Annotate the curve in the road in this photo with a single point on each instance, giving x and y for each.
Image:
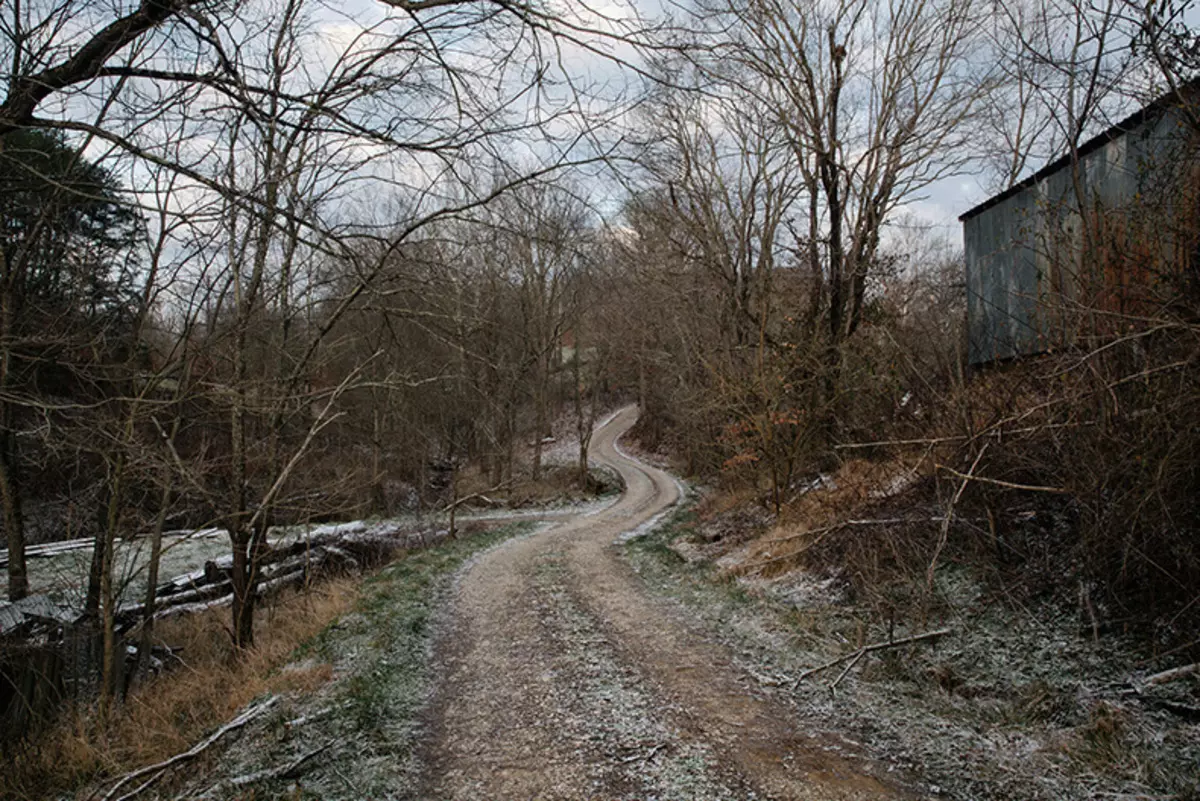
(559, 676)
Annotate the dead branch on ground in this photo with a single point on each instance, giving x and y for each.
(854, 656)
(157, 770)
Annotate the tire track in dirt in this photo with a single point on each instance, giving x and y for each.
(556, 668)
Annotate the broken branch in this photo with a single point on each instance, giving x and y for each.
(281, 772)
(1174, 674)
(866, 649)
(475, 495)
(160, 768)
(1006, 484)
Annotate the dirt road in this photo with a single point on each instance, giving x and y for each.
(561, 677)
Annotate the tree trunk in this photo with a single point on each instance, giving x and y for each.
(14, 521)
(453, 495)
(243, 589)
(378, 498)
(108, 596)
(10, 489)
(160, 520)
(510, 450)
(239, 537)
(539, 423)
(583, 423)
(95, 588)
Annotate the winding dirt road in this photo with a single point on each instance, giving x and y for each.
(561, 677)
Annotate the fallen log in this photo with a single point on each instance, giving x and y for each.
(283, 567)
(190, 609)
(132, 614)
(279, 582)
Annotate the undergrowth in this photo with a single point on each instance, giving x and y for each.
(369, 715)
(168, 713)
(1018, 700)
(302, 641)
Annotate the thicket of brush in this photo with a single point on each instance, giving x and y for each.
(1071, 474)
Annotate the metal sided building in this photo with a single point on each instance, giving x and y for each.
(1037, 280)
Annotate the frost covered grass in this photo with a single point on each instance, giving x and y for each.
(349, 660)
(1019, 701)
(364, 721)
(167, 714)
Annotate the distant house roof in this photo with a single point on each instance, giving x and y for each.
(1135, 119)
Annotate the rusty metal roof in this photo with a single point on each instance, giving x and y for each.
(1149, 111)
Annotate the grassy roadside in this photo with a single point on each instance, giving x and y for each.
(168, 713)
(356, 733)
(1014, 703)
(348, 660)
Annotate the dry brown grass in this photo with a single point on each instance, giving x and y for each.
(169, 713)
(726, 500)
(856, 486)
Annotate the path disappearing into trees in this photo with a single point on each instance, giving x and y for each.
(560, 676)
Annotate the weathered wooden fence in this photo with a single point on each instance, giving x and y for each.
(40, 675)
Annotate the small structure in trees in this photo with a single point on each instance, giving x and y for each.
(1093, 241)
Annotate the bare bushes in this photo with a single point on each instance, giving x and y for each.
(1072, 475)
(1115, 430)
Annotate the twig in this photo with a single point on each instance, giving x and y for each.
(944, 536)
(846, 672)
(887, 442)
(882, 521)
(820, 534)
(342, 776)
(649, 755)
(1005, 484)
(281, 772)
(866, 649)
(160, 768)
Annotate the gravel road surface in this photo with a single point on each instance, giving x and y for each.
(560, 677)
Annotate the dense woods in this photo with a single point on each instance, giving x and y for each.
(268, 263)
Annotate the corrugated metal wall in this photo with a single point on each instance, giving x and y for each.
(1026, 272)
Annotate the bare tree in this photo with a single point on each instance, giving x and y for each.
(732, 182)
(277, 132)
(874, 99)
